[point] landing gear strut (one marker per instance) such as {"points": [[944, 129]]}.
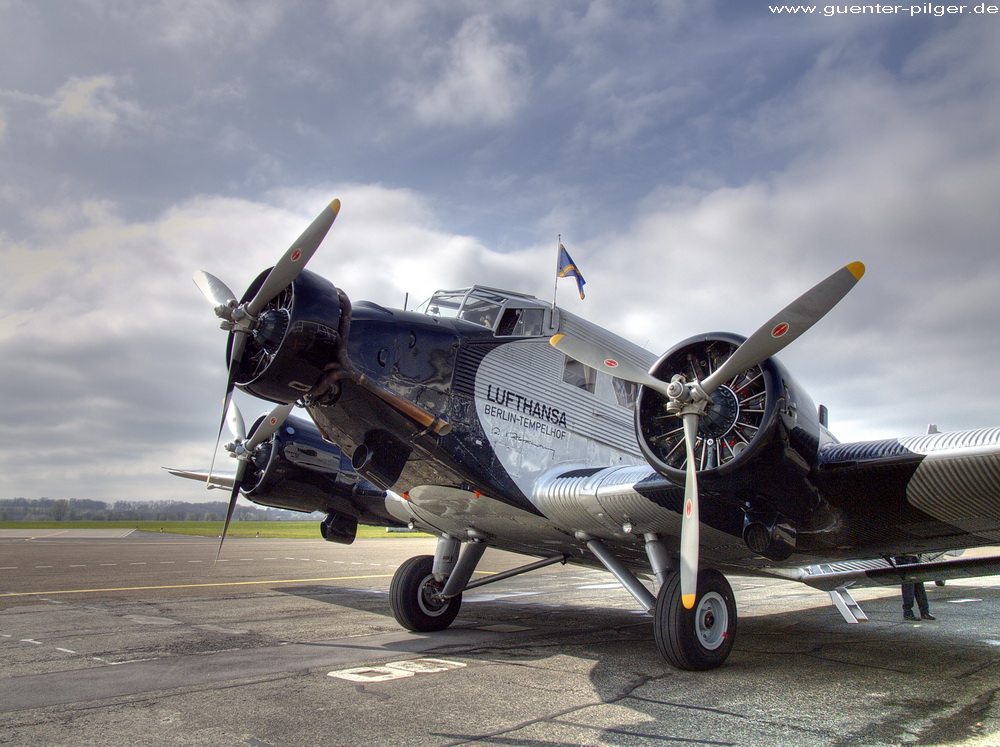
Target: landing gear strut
{"points": [[700, 638]]}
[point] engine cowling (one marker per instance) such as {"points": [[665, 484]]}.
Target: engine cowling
{"points": [[300, 471], [298, 336], [734, 428], [757, 441]]}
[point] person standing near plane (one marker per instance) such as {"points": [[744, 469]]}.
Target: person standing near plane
{"points": [[914, 590]]}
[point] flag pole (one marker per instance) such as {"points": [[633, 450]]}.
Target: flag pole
{"points": [[555, 285]]}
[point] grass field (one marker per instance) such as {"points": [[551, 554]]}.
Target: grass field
{"points": [[283, 529]]}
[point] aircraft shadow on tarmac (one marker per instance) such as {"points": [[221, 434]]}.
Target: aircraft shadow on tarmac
{"points": [[787, 668], [810, 631]]}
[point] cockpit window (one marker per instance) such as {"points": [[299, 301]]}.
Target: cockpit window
{"points": [[473, 305], [480, 311], [444, 303], [484, 306], [522, 323]]}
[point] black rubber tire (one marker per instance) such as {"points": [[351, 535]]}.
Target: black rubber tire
{"points": [[700, 638], [411, 597]]}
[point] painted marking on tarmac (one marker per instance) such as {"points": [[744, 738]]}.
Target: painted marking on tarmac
{"points": [[370, 674], [503, 628], [191, 586], [396, 670]]}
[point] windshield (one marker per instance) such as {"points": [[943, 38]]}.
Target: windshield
{"points": [[475, 305]]}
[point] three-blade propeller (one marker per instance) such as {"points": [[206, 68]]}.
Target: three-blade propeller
{"points": [[241, 320], [689, 399], [243, 447]]}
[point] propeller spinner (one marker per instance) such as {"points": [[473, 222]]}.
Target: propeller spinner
{"points": [[690, 399]]}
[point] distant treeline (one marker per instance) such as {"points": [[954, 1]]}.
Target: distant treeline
{"points": [[82, 509]]}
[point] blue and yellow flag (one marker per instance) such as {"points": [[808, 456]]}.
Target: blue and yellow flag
{"points": [[567, 268]]}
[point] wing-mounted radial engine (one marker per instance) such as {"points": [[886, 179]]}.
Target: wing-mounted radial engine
{"points": [[289, 465], [756, 442], [298, 470], [693, 396]]}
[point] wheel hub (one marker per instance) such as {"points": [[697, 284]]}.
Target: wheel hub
{"points": [[429, 598], [711, 620]]}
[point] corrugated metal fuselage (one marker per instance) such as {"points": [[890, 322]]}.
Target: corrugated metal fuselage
{"points": [[538, 451]]}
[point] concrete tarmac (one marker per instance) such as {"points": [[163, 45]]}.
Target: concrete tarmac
{"points": [[143, 640]]}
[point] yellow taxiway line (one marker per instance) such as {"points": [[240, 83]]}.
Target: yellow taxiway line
{"points": [[189, 586]]}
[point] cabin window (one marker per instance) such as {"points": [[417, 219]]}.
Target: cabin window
{"points": [[579, 375], [521, 323], [626, 392]]}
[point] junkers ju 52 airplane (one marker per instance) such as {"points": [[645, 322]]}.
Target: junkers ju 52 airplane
{"points": [[491, 419]]}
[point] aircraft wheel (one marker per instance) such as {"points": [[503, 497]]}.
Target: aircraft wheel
{"points": [[414, 601], [699, 638]]}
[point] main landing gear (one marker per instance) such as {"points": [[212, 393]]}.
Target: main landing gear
{"points": [[693, 639], [426, 594]]}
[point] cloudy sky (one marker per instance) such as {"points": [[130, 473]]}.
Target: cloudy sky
{"points": [[705, 161]]}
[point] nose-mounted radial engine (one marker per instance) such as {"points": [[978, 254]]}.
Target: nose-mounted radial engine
{"points": [[288, 339], [281, 341], [712, 403]]}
